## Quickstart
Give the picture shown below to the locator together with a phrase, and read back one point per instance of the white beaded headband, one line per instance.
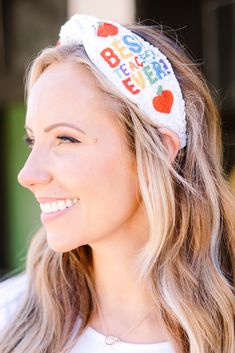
(137, 68)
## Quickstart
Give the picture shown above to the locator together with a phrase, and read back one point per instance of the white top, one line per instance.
(12, 292)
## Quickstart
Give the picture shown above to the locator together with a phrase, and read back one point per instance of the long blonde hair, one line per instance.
(189, 259)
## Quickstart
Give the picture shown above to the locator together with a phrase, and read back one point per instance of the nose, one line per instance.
(35, 172)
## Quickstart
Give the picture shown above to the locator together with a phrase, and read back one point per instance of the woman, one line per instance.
(136, 253)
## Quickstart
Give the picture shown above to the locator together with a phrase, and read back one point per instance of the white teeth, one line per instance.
(62, 205)
(69, 202)
(47, 207)
(54, 207)
(50, 207)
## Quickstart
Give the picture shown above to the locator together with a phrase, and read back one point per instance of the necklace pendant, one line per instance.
(109, 340)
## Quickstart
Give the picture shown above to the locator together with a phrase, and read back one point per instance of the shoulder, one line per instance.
(12, 291)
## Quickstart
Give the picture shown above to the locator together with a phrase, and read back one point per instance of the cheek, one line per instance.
(111, 198)
(108, 181)
(106, 186)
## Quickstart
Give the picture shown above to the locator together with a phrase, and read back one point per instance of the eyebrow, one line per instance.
(53, 126)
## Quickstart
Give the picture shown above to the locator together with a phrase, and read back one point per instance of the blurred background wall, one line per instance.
(206, 28)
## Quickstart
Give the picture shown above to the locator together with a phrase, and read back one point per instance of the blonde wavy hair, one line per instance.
(189, 259)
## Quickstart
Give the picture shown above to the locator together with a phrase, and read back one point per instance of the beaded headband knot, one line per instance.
(137, 68)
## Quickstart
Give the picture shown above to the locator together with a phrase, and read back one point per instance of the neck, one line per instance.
(123, 299)
(117, 283)
(116, 279)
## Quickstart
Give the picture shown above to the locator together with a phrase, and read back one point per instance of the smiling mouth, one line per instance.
(55, 206)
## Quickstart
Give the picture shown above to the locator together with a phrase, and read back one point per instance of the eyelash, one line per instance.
(29, 142)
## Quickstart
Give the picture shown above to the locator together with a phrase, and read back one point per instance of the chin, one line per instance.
(60, 247)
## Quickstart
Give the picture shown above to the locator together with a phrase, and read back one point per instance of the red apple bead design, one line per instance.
(163, 101)
(107, 29)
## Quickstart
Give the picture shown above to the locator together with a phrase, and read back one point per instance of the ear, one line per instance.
(170, 141)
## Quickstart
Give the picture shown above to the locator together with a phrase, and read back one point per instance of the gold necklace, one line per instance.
(113, 339)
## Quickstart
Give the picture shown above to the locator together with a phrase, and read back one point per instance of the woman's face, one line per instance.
(78, 153)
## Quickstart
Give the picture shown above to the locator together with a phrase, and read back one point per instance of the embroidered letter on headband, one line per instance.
(137, 68)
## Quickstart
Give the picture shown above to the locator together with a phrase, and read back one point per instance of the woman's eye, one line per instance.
(68, 139)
